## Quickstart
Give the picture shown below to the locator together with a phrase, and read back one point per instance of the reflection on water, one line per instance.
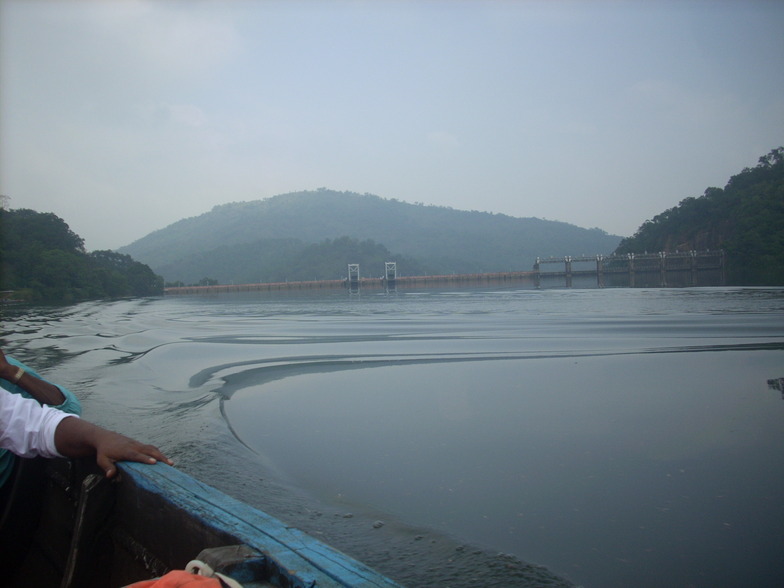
(618, 437)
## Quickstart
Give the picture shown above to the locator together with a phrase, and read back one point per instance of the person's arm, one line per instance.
(26, 427)
(39, 389)
(45, 431)
(75, 437)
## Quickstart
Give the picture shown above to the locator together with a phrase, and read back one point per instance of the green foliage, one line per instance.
(259, 261)
(746, 219)
(329, 259)
(123, 276)
(282, 260)
(43, 260)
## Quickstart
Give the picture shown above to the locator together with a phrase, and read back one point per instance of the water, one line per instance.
(616, 437)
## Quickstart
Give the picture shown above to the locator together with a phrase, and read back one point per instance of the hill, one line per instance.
(282, 260)
(42, 259)
(431, 239)
(745, 218)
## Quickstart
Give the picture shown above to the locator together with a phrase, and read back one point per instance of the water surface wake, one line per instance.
(618, 437)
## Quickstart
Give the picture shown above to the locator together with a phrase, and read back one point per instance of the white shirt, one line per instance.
(27, 428)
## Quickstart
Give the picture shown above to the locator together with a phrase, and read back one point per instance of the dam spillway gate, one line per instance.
(662, 269)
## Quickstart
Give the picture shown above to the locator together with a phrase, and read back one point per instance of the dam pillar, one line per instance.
(537, 275)
(663, 269)
(390, 276)
(600, 271)
(353, 278)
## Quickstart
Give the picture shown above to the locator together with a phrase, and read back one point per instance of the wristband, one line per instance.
(18, 375)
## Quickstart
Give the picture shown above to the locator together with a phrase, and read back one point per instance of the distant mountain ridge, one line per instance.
(443, 240)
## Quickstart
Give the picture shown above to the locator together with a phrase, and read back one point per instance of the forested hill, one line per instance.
(745, 218)
(434, 239)
(42, 259)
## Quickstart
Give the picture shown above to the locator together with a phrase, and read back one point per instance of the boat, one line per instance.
(64, 524)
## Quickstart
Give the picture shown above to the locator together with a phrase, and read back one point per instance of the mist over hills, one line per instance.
(315, 234)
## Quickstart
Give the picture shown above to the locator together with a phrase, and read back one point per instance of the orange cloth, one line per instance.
(179, 579)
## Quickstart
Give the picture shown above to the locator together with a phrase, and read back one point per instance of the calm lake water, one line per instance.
(518, 437)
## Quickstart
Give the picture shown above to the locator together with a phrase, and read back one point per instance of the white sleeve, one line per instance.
(27, 428)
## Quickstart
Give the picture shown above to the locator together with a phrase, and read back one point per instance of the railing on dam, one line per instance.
(680, 268)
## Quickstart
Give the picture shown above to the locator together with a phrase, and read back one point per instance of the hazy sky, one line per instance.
(124, 116)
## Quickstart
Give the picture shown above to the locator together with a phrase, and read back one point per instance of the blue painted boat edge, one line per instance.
(310, 560)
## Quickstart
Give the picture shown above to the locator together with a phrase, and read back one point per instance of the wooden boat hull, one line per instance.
(98, 533)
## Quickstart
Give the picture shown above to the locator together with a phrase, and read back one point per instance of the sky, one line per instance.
(124, 116)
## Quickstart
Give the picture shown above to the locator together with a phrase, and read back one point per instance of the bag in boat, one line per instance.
(196, 574)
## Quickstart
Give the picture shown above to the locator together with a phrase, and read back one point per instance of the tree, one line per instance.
(43, 260)
(745, 218)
